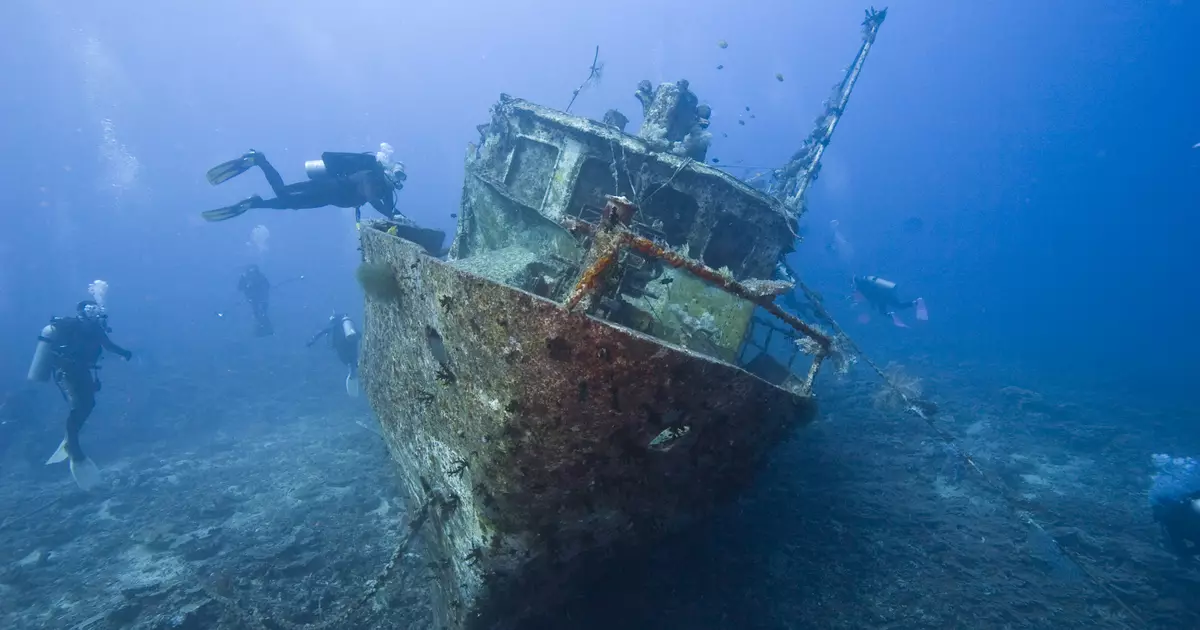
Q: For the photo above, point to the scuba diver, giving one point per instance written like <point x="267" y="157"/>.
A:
<point x="344" y="340"/>
<point x="257" y="289"/>
<point x="344" y="180"/>
<point x="69" y="349"/>
<point x="1179" y="518"/>
<point x="882" y="295"/>
<point x="1175" y="503"/>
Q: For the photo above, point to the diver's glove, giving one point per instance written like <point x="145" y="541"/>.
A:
<point x="127" y="355"/>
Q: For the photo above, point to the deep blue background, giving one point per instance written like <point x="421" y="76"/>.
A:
<point x="1046" y="145"/>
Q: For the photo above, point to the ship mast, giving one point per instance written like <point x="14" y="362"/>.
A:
<point x="792" y="181"/>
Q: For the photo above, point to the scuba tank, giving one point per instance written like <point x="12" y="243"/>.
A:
<point x="348" y="328"/>
<point x="43" y="355"/>
<point x="886" y="285"/>
<point x="315" y="169"/>
<point x="350" y="337"/>
<point x="338" y="164"/>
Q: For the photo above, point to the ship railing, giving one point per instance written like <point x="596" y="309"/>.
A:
<point x="771" y="350"/>
<point x="611" y="235"/>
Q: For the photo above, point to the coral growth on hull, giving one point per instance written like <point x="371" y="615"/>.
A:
<point x="552" y="437"/>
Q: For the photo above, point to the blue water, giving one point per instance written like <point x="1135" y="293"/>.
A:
<point x="1046" y="147"/>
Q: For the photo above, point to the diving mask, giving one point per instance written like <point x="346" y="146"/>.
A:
<point x="392" y="170"/>
<point x="394" y="173"/>
<point x="94" y="311"/>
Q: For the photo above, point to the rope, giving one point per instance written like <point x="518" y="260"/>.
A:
<point x="20" y="517"/>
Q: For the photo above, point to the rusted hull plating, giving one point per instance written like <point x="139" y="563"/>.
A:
<point x="559" y="438"/>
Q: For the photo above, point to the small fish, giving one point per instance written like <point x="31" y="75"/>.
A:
<point x="722" y="44"/>
<point x="753" y="116"/>
<point x="724" y="135"/>
<point x="1196" y="146"/>
<point x="742" y="122"/>
<point x="453" y="215"/>
<point x="747" y="108"/>
<point x="779" y="76"/>
<point x="716" y="160"/>
<point x="720" y="66"/>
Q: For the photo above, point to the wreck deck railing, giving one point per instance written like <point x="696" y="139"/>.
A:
<point x="611" y="234"/>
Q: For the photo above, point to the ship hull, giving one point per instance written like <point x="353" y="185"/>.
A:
<point x="552" y="440"/>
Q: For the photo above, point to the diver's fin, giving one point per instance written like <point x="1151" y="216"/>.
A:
<point x="922" y="312"/>
<point x="224" y="214"/>
<point x="60" y="455"/>
<point x="226" y="171"/>
<point x="351" y="386"/>
<point x="897" y="321"/>
<point x="86" y="473"/>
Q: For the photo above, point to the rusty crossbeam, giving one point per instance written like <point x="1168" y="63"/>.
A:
<point x="612" y="233"/>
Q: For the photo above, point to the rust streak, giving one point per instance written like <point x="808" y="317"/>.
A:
<point x="612" y="233"/>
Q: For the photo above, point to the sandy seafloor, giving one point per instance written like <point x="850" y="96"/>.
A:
<point x="864" y="520"/>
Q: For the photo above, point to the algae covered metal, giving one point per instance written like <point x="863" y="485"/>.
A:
<point x="564" y="385"/>
<point x="536" y="167"/>
<point x="560" y="435"/>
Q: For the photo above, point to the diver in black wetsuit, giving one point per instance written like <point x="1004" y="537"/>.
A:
<point x="257" y="289"/>
<point x="344" y="180"/>
<point x="344" y="340"/>
<point x="69" y="350"/>
<point x="882" y="295"/>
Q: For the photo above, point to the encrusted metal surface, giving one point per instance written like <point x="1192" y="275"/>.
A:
<point x="536" y="167"/>
<point x="537" y="164"/>
<point x="563" y="437"/>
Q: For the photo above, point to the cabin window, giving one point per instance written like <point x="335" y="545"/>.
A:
<point x="530" y="171"/>
<point x="730" y="244"/>
<point x="594" y="182"/>
<point x="673" y="210"/>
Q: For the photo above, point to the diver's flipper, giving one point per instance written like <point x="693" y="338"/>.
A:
<point x="897" y="321"/>
<point x="60" y="455"/>
<point x="224" y="214"/>
<point x="228" y="170"/>
<point x="351" y="386"/>
<point x="922" y="312"/>
<point x="85" y="472"/>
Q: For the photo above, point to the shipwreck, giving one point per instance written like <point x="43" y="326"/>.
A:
<point x="589" y="366"/>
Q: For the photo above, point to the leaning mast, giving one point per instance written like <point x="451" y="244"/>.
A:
<point x="792" y="181"/>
